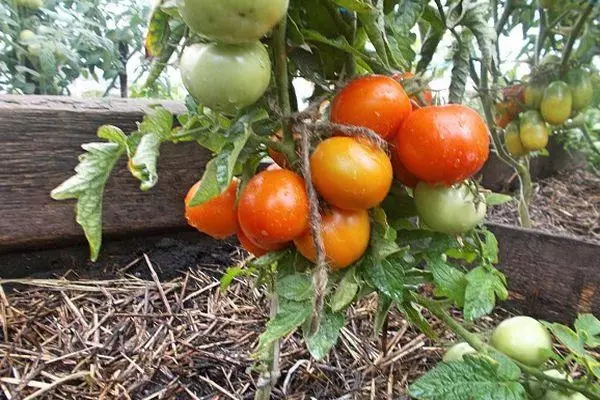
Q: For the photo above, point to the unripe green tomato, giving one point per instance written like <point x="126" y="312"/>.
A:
<point x="537" y="389"/>
<point x="533" y="131"/>
<point x="34" y="49"/>
<point x="512" y="140"/>
<point x="456" y="352"/>
<point x="31" y="4"/>
<point x="560" y="395"/>
<point x="450" y="210"/>
<point x="533" y="95"/>
<point x="233" y="21"/>
<point x="226" y="77"/>
<point x="557" y="103"/>
<point x="523" y="339"/>
<point x="582" y="88"/>
<point x="26" y="36"/>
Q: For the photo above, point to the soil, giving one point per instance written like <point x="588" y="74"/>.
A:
<point x="568" y="203"/>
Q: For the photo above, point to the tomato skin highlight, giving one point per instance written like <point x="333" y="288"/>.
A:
<point x="345" y="236"/>
<point x="351" y="174"/>
<point x="443" y="144"/>
<point x="376" y="102"/>
<point x="524" y="339"/>
<point x="557" y="103"/>
<point x="273" y="208"/>
<point x="456" y="352"/>
<point x="533" y="132"/>
<point x="233" y="21"/>
<point x="512" y="140"/>
<point x="218" y="216"/>
<point x="226" y="77"/>
<point x="450" y="210"/>
<point x="582" y="88"/>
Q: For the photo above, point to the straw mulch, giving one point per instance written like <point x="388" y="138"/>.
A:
<point x="183" y="339"/>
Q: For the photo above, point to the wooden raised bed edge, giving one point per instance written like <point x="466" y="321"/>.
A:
<point x="550" y="276"/>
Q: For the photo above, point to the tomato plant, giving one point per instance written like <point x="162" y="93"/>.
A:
<point x="582" y="90"/>
<point x="351" y="174"/>
<point x="334" y="226"/>
<point x="443" y="144"/>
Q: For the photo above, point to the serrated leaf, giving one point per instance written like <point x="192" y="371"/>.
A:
<point x="47" y="61"/>
<point x="490" y="247"/>
<point x="387" y="277"/>
<point x="383" y="237"/>
<point x="588" y="328"/>
<point x="87" y="185"/>
<point x="399" y="26"/>
<point x="360" y="6"/>
<point x="231" y="273"/>
<point x="474" y="378"/>
<point x="460" y="68"/>
<point x="295" y="287"/>
<point x="496" y="199"/>
<point x="346" y="291"/>
<point x="157" y="120"/>
<point x="567" y="337"/>
<point x="450" y="282"/>
<point x="290" y="315"/>
<point x="483" y="288"/>
<point x="320" y="343"/>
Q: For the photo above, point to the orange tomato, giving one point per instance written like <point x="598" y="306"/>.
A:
<point x="351" y="173"/>
<point x="345" y="236"/>
<point x="273" y="208"/>
<point x="376" y="102"/>
<point x="249" y="246"/>
<point x="443" y="144"/>
<point x="218" y="216"/>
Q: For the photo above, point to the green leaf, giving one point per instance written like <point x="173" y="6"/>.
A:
<point x="496" y="199"/>
<point x="47" y="61"/>
<point x="87" y="185"/>
<point x="384" y="304"/>
<point x="360" y="6"/>
<point x="387" y="277"/>
<point x="232" y="273"/>
<point x="320" y="343"/>
<point x="297" y="287"/>
<point x="290" y="315"/>
<point x="399" y="26"/>
<point x="490" y="247"/>
<point x="474" y="378"/>
<point x="460" y="67"/>
<point x="346" y="290"/>
<point x="430" y="45"/>
<point x="450" y="282"/>
<point x="588" y="329"/>
<point x="158" y="32"/>
<point x="484" y="287"/>
<point x="567" y="337"/>
<point x="158" y="120"/>
<point x="414" y="316"/>
<point x="383" y="237"/>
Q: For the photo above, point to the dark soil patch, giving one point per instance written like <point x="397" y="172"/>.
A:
<point x="568" y="203"/>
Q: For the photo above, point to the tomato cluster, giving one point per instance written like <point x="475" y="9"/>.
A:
<point x="528" y="114"/>
<point x="433" y="150"/>
<point x="233" y="71"/>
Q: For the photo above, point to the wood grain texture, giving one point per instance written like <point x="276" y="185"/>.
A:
<point x="40" y="139"/>
<point x="550" y="276"/>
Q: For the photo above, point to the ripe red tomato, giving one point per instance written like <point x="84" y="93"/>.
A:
<point x="443" y="144"/>
<point x="512" y="104"/>
<point x="217" y="217"/>
<point x="351" y="173"/>
<point x="249" y="246"/>
<point x="425" y="96"/>
<point x="273" y="208"/>
<point x="377" y="102"/>
<point x="403" y="175"/>
<point x="345" y="235"/>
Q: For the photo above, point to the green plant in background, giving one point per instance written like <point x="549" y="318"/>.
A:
<point x="46" y="45"/>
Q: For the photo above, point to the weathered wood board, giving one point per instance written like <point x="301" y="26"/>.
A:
<point x="40" y="139"/>
<point x="550" y="276"/>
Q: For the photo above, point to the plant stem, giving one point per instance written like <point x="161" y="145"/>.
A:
<point x="573" y="37"/>
<point x="474" y="341"/>
<point x="509" y="7"/>
<point x="283" y="92"/>
<point x="269" y="378"/>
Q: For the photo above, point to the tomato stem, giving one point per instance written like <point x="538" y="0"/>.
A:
<point x="269" y="378"/>
<point x="474" y="341"/>
<point x="573" y="37"/>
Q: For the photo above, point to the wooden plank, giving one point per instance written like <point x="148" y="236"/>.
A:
<point x="552" y="277"/>
<point x="40" y="138"/>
